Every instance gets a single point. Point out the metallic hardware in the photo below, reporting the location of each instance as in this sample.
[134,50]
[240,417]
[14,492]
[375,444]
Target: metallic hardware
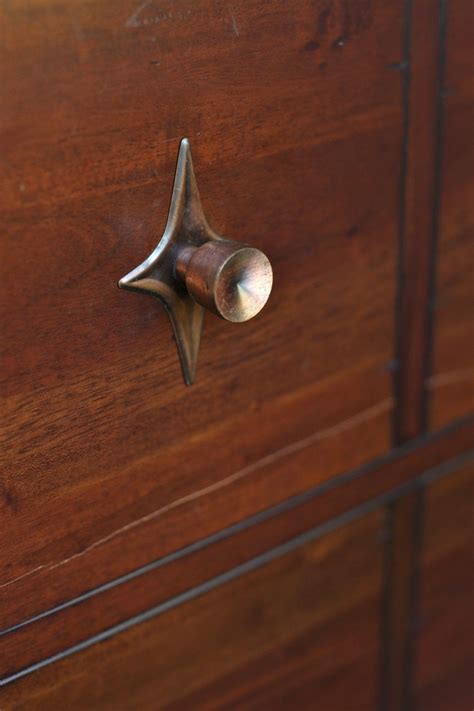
[193,267]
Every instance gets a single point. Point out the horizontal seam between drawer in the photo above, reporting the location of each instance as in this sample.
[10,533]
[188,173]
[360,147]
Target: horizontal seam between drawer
[333,524]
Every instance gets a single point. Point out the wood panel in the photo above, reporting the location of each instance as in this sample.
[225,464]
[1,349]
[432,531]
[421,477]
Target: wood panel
[294,115]
[452,381]
[445,645]
[402,552]
[290,620]
[82,620]
[422,71]
[423,43]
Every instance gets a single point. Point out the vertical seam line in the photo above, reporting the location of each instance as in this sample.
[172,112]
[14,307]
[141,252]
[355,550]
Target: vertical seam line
[400,272]
[410,672]
[384,634]
[432,283]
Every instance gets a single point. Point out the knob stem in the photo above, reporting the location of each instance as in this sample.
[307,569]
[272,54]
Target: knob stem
[185,255]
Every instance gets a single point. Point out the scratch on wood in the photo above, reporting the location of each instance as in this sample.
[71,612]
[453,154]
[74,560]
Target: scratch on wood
[137,21]
[234,24]
[134,20]
[293,448]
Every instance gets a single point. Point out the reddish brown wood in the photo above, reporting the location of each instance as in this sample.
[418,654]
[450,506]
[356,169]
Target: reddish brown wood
[400,594]
[420,73]
[445,647]
[424,45]
[290,620]
[294,116]
[451,382]
[64,628]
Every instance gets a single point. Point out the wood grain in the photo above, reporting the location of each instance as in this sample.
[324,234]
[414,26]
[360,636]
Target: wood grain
[445,646]
[314,133]
[225,649]
[451,383]
[294,116]
[79,620]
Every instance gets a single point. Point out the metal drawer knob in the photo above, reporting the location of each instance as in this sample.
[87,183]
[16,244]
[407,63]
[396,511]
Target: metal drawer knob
[193,267]
[231,280]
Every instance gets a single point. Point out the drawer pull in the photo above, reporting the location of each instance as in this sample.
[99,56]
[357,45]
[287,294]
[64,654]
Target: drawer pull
[193,268]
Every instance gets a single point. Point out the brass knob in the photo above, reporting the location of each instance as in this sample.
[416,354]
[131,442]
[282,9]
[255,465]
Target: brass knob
[232,280]
[193,267]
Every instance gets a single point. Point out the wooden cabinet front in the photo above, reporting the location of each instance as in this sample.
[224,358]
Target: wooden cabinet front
[226,648]
[265,537]
[109,452]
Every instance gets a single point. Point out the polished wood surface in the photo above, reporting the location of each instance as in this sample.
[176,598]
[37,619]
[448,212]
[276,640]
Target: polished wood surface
[226,648]
[102,433]
[291,529]
[445,630]
[55,629]
[451,383]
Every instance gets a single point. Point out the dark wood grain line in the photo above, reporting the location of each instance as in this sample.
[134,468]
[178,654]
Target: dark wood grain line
[441,470]
[438,186]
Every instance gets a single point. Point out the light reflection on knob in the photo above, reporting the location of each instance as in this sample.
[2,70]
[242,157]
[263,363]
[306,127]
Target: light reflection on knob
[232,280]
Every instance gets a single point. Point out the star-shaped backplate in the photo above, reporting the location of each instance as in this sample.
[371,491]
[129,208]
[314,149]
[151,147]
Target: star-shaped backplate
[186,227]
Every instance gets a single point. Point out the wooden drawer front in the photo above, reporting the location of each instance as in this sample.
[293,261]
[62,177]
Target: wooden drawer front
[445,645]
[452,381]
[294,112]
[279,635]
[86,619]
